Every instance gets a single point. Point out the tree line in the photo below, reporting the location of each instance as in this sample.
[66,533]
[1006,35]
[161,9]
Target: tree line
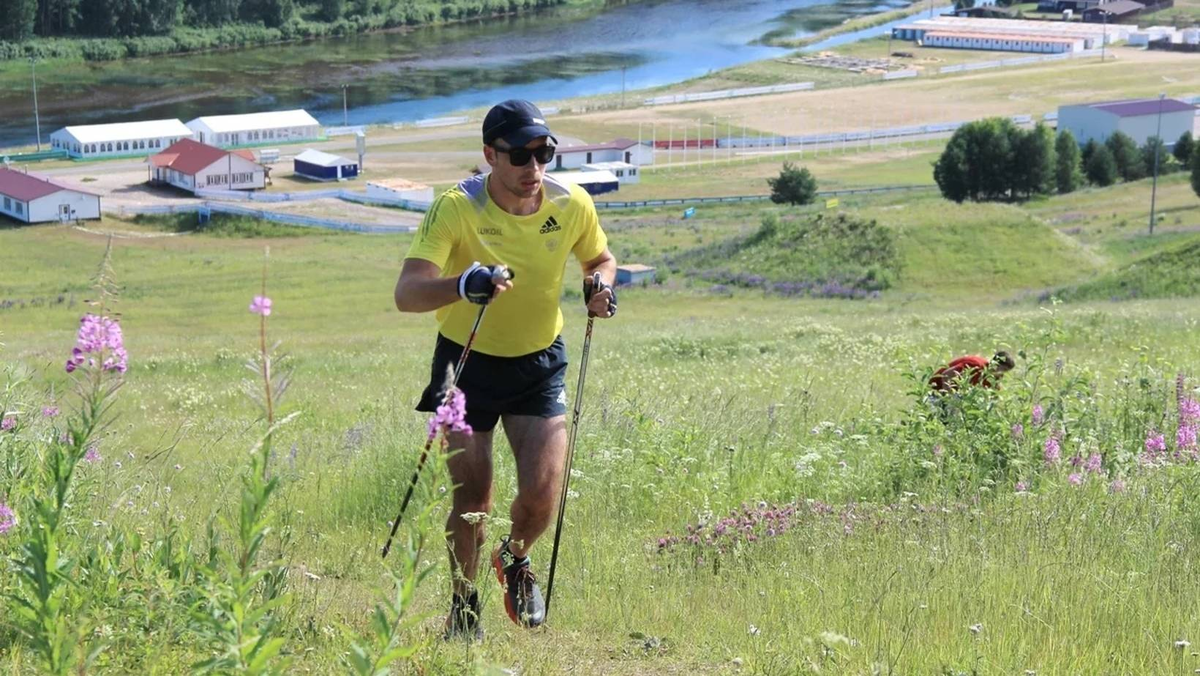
[22,20]
[995,160]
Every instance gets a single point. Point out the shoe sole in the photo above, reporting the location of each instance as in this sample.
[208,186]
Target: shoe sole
[498,566]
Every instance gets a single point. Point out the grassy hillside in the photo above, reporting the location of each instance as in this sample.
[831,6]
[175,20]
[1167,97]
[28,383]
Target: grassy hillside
[1172,273]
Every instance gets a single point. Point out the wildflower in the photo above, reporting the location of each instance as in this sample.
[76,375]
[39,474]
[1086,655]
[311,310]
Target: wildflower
[1075,478]
[474,517]
[93,455]
[97,335]
[8,518]
[1093,463]
[1189,411]
[261,305]
[1076,460]
[1018,431]
[1155,443]
[7,423]
[1117,486]
[50,411]
[976,628]
[1022,487]
[1052,450]
[754,631]
[451,416]
[1185,437]
[937,451]
[1182,643]
[1039,416]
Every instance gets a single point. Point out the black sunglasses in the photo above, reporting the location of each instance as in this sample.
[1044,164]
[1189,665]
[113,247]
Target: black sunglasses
[519,157]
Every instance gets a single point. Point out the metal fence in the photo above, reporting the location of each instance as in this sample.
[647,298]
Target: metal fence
[1016,61]
[899,74]
[345,131]
[637,204]
[727,94]
[309,195]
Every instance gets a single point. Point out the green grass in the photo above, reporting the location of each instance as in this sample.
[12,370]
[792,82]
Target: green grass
[1169,273]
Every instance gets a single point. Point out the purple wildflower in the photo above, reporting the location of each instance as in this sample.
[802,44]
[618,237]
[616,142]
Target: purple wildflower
[1155,443]
[1022,487]
[1076,460]
[50,411]
[96,335]
[1189,411]
[1052,450]
[1093,463]
[1185,437]
[1075,478]
[1117,486]
[451,416]
[261,305]
[937,451]
[1039,416]
[93,454]
[8,518]
[7,423]
[1018,431]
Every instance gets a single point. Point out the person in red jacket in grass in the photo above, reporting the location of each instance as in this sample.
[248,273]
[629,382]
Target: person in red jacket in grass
[972,370]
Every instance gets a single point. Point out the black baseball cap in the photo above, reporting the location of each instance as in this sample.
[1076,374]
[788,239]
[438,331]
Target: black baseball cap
[517,122]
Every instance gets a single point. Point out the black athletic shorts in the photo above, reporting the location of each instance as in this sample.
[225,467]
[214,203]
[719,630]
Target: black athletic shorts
[532,384]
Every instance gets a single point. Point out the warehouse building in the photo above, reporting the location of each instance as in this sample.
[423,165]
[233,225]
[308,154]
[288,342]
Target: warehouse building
[1109,12]
[1009,34]
[227,131]
[122,139]
[1000,42]
[319,166]
[193,166]
[34,199]
[1137,118]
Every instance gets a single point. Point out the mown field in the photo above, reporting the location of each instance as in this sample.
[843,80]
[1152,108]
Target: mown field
[868,534]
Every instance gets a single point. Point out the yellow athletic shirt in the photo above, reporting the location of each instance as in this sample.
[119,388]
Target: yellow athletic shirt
[464,225]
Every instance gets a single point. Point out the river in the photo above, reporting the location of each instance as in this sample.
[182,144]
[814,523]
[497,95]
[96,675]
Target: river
[426,72]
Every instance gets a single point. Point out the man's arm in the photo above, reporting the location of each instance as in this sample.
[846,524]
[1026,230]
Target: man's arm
[421,287]
[606,265]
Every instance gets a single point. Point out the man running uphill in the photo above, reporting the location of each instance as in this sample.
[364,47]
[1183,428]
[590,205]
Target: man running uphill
[519,218]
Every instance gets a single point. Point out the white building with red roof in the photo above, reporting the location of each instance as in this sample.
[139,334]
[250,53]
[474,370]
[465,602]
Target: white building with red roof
[30,198]
[619,150]
[193,166]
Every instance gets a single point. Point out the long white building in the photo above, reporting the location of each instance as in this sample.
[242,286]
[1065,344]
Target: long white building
[121,139]
[227,131]
[35,199]
[1015,35]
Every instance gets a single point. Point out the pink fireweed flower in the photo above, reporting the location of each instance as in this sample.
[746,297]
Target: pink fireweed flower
[1018,431]
[451,416]
[1022,487]
[1052,451]
[1189,412]
[7,423]
[937,451]
[93,454]
[50,411]
[1117,486]
[1155,443]
[1039,416]
[1075,478]
[1093,463]
[261,305]
[8,518]
[96,335]
[1185,437]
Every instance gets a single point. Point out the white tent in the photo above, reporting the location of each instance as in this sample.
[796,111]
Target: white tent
[254,128]
[121,138]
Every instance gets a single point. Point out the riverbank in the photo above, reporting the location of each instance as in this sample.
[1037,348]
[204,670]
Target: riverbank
[849,26]
[189,40]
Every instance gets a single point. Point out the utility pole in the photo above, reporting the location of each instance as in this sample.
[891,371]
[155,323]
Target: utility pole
[345,109]
[715,133]
[37,122]
[1104,33]
[1157,150]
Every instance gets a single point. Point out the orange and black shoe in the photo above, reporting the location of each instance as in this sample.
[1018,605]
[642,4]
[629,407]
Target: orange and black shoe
[463,621]
[522,598]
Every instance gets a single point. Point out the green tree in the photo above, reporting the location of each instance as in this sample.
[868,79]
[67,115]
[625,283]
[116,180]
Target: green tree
[1183,149]
[332,10]
[17,18]
[1154,145]
[1127,155]
[213,12]
[1196,169]
[979,162]
[1101,167]
[271,13]
[57,17]
[1068,169]
[795,185]
[1033,162]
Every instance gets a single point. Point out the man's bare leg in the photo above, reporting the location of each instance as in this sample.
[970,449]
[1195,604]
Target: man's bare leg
[471,472]
[539,446]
